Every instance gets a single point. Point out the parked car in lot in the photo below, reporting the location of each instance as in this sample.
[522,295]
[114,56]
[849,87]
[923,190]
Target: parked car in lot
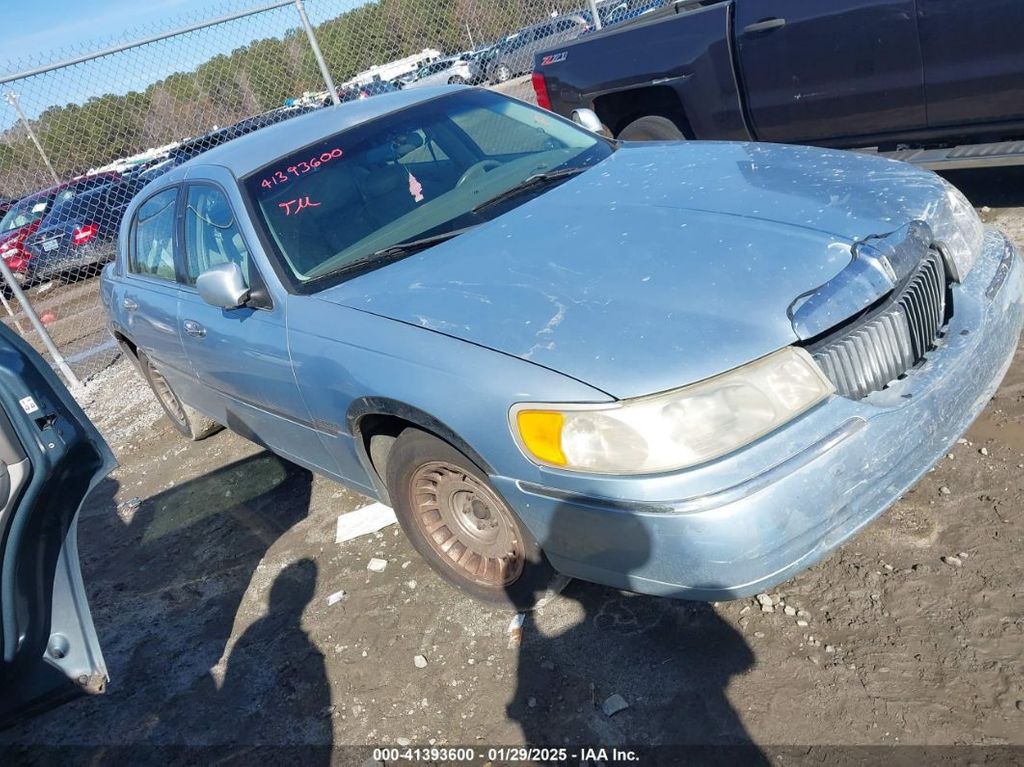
[364,91]
[23,219]
[849,73]
[51,456]
[454,70]
[618,11]
[712,362]
[78,235]
[514,54]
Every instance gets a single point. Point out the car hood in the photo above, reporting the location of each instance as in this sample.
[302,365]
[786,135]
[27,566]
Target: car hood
[663,265]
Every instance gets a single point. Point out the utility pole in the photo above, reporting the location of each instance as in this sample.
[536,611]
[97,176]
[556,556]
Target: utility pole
[596,15]
[472,45]
[12,98]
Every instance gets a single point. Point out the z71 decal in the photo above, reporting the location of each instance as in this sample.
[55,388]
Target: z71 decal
[554,58]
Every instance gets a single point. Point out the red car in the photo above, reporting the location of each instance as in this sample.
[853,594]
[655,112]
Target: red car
[24,216]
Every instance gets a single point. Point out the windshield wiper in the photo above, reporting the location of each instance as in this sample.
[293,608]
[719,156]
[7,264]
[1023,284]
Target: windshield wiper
[409,247]
[528,183]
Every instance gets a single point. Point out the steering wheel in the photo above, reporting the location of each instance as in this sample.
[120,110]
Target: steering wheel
[477,169]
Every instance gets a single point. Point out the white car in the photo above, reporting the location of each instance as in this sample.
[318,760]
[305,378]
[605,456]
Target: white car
[450,71]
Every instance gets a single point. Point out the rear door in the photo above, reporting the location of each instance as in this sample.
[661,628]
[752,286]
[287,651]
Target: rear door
[51,456]
[973,60]
[818,71]
[149,293]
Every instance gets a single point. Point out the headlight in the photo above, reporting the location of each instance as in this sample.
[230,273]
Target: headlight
[958,231]
[676,429]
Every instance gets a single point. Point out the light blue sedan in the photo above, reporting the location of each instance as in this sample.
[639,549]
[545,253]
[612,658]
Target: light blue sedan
[688,369]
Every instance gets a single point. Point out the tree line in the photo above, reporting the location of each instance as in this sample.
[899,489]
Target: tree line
[249,80]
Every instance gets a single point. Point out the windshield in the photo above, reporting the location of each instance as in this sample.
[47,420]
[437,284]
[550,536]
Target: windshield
[24,213]
[414,174]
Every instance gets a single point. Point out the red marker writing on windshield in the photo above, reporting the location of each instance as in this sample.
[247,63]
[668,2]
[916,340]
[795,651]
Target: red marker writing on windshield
[300,204]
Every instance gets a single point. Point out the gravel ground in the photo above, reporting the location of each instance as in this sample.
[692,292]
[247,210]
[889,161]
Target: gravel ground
[214,577]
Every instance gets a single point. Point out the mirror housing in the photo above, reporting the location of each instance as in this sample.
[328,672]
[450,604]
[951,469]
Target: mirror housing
[587,118]
[223,286]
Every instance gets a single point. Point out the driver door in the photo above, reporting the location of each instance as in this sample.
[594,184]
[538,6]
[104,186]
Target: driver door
[240,356]
[51,456]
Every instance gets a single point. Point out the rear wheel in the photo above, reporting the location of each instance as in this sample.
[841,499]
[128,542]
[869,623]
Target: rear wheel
[456,80]
[652,128]
[459,523]
[187,420]
[502,73]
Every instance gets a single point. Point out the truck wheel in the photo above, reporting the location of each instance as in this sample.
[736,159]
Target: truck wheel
[502,74]
[456,80]
[651,128]
[459,523]
[189,421]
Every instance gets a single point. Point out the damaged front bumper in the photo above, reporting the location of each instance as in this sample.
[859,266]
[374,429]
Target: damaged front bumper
[750,521]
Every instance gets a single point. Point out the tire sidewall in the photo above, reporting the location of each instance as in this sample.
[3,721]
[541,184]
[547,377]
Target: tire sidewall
[652,128]
[147,371]
[412,449]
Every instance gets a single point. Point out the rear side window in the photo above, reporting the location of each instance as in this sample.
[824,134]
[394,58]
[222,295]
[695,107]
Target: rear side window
[211,233]
[152,252]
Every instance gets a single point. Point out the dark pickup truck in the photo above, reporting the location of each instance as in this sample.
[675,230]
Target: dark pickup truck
[846,73]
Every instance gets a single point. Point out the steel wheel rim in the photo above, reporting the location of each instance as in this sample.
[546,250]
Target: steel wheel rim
[166,395]
[466,524]
[504,73]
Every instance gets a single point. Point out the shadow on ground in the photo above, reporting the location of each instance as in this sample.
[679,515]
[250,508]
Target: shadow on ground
[165,589]
[669,661]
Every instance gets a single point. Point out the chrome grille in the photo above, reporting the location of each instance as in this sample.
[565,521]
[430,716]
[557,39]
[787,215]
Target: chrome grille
[879,348]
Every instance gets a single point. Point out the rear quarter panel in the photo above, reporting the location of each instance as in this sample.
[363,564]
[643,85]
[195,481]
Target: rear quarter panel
[690,53]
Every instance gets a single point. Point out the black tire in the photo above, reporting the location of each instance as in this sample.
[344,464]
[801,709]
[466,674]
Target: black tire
[186,419]
[456,80]
[652,128]
[458,522]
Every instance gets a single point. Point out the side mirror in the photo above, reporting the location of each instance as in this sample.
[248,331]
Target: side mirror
[223,286]
[587,118]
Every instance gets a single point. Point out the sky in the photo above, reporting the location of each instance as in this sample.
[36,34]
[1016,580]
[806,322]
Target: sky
[49,31]
[34,29]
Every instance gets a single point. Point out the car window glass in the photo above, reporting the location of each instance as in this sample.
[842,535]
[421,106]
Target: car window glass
[211,234]
[153,243]
[496,133]
[337,203]
[25,212]
[565,25]
[430,151]
[544,31]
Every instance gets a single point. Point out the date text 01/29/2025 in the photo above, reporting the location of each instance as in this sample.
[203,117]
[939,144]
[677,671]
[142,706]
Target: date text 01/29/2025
[504,754]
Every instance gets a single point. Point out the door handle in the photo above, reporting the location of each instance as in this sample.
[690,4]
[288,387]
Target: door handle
[129,305]
[764,26]
[194,329]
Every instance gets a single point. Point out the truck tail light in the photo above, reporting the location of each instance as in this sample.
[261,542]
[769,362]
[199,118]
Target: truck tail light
[83,234]
[541,89]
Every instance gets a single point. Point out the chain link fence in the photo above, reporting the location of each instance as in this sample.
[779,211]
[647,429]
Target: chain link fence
[82,131]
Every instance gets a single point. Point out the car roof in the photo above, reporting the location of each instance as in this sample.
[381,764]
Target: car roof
[247,153]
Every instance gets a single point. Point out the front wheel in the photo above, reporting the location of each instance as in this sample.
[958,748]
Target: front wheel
[459,523]
[652,128]
[456,80]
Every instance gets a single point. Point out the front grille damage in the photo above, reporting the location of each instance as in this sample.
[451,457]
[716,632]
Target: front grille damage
[871,352]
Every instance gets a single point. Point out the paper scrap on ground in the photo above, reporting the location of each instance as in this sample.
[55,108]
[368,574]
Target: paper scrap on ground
[376,565]
[334,598]
[515,631]
[364,521]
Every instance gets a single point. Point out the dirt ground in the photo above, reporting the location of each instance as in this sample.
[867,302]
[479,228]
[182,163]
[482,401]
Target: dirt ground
[211,568]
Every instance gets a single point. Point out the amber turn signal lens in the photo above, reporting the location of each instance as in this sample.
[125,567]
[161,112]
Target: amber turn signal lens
[541,433]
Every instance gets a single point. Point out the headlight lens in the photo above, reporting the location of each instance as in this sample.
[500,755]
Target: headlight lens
[958,231]
[676,429]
